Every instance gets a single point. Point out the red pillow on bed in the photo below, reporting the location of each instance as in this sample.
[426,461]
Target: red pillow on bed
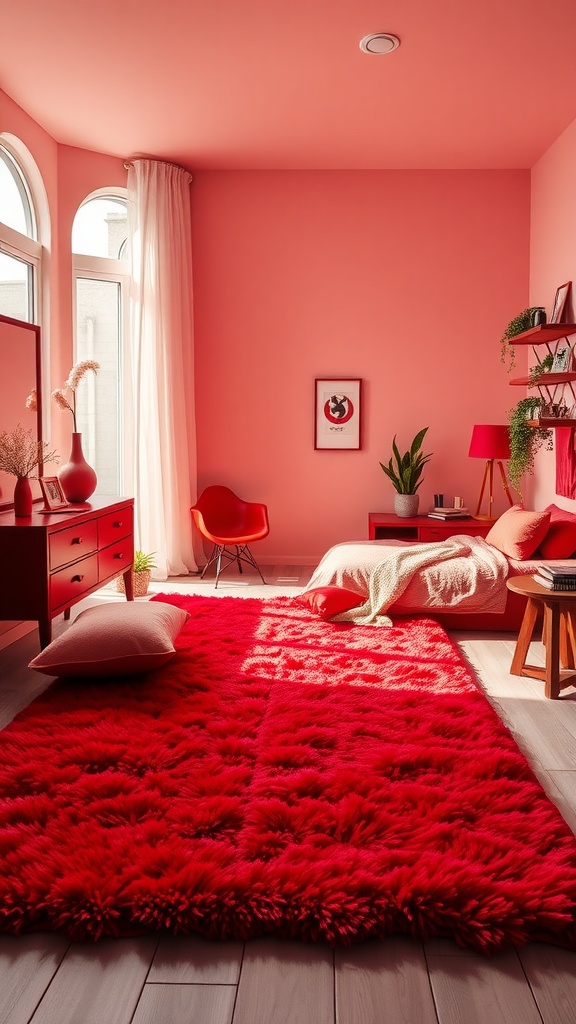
[329,601]
[560,541]
[518,532]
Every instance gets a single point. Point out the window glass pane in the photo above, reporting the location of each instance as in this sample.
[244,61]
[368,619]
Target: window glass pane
[15,205]
[16,288]
[98,406]
[100,228]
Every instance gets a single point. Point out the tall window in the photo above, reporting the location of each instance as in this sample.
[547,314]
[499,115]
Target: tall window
[100,273]
[20,250]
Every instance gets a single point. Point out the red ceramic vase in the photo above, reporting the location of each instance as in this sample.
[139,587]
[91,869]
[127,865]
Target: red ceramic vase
[22,497]
[77,478]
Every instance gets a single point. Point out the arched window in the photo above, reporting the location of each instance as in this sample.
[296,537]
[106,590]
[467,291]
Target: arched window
[100,271]
[20,250]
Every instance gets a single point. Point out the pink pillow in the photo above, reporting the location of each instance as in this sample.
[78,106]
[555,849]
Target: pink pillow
[560,540]
[518,532]
[329,601]
[560,514]
[114,639]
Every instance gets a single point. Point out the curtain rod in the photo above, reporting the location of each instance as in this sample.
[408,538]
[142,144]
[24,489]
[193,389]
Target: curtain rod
[130,163]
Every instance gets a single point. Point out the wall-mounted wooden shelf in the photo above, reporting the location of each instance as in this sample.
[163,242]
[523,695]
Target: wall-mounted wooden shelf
[545,334]
[550,385]
[544,379]
[544,424]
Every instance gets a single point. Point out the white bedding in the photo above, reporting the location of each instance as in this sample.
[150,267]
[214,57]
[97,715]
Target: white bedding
[470,577]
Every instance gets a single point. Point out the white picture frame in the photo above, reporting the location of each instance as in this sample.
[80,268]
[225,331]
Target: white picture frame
[563,359]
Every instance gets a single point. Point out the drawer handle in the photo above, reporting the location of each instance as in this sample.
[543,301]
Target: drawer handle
[119,555]
[77,579]
[119,523]
[76,540]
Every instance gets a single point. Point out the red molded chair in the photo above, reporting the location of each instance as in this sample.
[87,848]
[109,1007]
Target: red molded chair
[223,518]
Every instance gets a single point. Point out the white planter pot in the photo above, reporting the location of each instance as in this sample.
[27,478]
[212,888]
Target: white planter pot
[406,505]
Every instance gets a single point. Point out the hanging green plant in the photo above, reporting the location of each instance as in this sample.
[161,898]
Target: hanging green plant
[524,439]
[523,322]
[541,368]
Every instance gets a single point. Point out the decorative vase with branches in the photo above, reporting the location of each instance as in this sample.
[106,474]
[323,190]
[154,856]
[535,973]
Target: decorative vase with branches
[20,454]
[78,479]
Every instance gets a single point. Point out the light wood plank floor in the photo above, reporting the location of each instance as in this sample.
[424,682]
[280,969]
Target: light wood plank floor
[44,979]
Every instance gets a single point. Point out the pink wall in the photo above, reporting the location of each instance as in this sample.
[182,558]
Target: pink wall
[403,278]
[553,261]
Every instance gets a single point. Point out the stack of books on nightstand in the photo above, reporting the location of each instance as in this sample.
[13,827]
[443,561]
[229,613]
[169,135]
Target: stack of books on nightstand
[556,577]
[448,513]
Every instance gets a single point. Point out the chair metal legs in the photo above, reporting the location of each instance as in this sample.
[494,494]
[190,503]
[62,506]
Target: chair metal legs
[241,554]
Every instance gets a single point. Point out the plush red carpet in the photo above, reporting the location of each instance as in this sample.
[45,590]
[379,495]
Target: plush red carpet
[281,775]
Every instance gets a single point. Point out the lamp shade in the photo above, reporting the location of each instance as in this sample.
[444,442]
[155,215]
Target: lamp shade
[490,441]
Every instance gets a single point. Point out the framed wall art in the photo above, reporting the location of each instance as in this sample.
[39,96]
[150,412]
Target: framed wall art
[337,409]
[559,303]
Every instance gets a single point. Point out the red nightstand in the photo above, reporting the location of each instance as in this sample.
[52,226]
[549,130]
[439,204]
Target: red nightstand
[387,526]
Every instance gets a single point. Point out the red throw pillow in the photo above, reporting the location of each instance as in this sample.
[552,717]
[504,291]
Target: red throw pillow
[329,601]
[518,532]
[560,540]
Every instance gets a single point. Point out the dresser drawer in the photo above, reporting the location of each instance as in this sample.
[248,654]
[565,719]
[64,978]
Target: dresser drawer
[67,585]
[114,526]
[73,543]
[115,559]
[428,533]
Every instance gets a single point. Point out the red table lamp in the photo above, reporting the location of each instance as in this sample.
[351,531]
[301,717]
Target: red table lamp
[490,442]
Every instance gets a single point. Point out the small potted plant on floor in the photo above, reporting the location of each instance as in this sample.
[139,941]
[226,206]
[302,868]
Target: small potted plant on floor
[141,573]
[405,471]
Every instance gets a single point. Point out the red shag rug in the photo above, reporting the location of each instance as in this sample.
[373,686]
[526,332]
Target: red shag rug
[281,775]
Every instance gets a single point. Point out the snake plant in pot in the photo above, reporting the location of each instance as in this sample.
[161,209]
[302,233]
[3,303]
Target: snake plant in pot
[405,473]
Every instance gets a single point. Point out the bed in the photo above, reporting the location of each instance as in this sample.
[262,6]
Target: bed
[461,581]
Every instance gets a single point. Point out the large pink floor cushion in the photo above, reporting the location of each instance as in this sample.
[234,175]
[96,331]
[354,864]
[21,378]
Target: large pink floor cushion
[114,639]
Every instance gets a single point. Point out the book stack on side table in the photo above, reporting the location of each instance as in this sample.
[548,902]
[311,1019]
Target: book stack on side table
[556,577]
[448,513]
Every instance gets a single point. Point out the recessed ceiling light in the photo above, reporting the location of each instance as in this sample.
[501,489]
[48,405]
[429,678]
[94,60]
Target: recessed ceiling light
[379,42]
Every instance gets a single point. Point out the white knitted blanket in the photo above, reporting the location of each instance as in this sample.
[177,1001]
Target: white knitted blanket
[390,577]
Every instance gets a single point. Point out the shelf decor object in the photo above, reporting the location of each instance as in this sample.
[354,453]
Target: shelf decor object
[560,302]
[490,442]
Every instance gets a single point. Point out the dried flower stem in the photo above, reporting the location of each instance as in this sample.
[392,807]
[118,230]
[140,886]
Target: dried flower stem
[20,452]
[77,373]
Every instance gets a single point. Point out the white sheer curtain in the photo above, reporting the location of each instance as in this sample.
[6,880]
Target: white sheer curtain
[160,469]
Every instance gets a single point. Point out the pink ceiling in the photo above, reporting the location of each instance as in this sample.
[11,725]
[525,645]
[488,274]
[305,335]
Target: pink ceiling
[283,83]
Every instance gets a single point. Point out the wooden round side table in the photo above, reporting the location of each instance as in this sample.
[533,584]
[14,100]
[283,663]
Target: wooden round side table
[558,634]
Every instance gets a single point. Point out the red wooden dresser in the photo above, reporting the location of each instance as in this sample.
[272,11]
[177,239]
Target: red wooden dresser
[50,562]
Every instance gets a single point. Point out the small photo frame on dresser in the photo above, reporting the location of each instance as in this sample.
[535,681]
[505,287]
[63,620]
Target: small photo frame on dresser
[53,494]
